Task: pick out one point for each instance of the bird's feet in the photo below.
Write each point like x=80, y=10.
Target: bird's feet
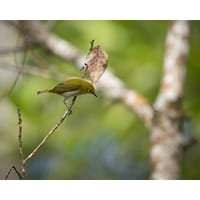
x=69, y=111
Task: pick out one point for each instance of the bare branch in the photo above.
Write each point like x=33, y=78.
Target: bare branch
x=20, y=142
x=35, y=150
x=35, y=32
x=115, y=89
x=177, y=49
x=19, y=68
x=20, y=174
x=16, y=171
x=109, y=84
x=23, y=161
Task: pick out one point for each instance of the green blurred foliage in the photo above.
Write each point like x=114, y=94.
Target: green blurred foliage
x=102, y=139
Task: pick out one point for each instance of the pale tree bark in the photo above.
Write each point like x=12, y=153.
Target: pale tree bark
x=164, y=119
x=167, y=137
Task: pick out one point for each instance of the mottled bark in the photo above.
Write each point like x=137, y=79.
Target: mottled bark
x=167, y=138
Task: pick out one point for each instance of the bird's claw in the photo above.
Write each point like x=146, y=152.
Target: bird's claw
x=69, y=111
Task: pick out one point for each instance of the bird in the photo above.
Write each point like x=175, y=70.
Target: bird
x=71, y=87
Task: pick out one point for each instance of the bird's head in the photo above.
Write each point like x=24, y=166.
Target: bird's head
x=91, y=90
x=88, y=87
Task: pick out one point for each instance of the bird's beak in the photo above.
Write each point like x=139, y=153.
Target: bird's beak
x=94, y=94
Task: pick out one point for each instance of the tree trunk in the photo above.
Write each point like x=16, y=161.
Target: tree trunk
x=167, y=145
x=167, y=134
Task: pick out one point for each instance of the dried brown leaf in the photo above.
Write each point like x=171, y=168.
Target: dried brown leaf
x=96, y=63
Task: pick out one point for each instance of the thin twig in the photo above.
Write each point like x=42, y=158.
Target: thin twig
x=20, y=69
x=91, y=45
x=22, y=172
x=17, y=172
x=67, y=113
x=9, y=91
x=20, y=142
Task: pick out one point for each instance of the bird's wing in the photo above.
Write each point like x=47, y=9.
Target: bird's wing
x=62, y=87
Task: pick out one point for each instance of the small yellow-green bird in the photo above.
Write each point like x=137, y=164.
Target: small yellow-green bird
x=72, y=87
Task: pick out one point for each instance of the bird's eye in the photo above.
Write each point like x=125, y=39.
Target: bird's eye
x=89, y=90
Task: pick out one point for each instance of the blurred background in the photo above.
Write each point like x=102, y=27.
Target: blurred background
x=102, y=139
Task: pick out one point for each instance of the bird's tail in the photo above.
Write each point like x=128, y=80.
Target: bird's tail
x=42, y=91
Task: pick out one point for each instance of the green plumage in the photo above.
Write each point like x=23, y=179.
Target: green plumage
x=73, y=84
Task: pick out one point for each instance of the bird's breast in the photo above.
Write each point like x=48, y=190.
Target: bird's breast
x=71, y=93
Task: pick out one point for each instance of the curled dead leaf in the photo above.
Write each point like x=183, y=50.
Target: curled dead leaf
x=96, y=62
